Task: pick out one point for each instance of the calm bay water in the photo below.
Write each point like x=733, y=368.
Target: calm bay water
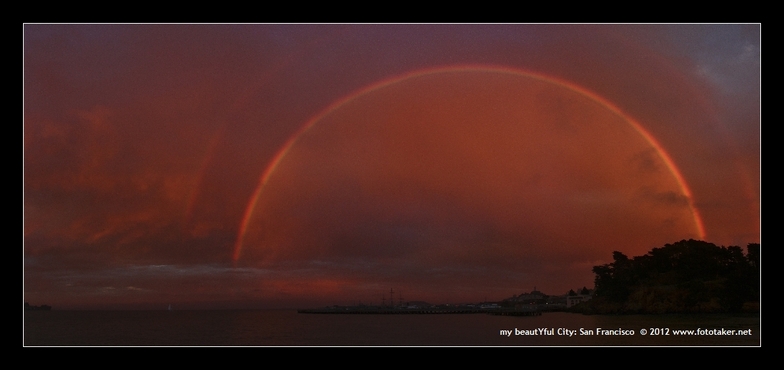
x=288, y=328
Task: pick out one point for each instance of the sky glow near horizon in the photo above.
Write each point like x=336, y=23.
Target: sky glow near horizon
x=146, y=148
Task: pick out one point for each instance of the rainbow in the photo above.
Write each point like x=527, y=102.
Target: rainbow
x=265, y=176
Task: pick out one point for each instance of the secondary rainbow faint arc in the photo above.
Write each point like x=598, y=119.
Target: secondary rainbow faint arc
x=265, y=176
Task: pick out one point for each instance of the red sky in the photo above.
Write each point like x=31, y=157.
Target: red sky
x=449, y=162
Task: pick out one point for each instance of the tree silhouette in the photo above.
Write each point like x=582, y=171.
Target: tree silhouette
x=690, y=275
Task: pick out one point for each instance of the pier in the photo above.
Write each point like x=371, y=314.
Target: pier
x=370, y=310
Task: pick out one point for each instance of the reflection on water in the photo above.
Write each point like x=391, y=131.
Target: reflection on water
x=288, y=328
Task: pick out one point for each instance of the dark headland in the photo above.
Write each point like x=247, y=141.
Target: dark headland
x=28, y=307
x=690, y=276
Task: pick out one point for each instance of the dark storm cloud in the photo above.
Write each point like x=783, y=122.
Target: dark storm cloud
x=665, y=198
x=647, y=161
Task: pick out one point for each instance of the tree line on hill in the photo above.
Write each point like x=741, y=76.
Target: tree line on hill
x=687, y=276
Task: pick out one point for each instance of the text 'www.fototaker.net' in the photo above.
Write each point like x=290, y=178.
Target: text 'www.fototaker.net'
x=653, y=331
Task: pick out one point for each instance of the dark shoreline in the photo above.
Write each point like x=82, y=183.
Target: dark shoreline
x=370, y=310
